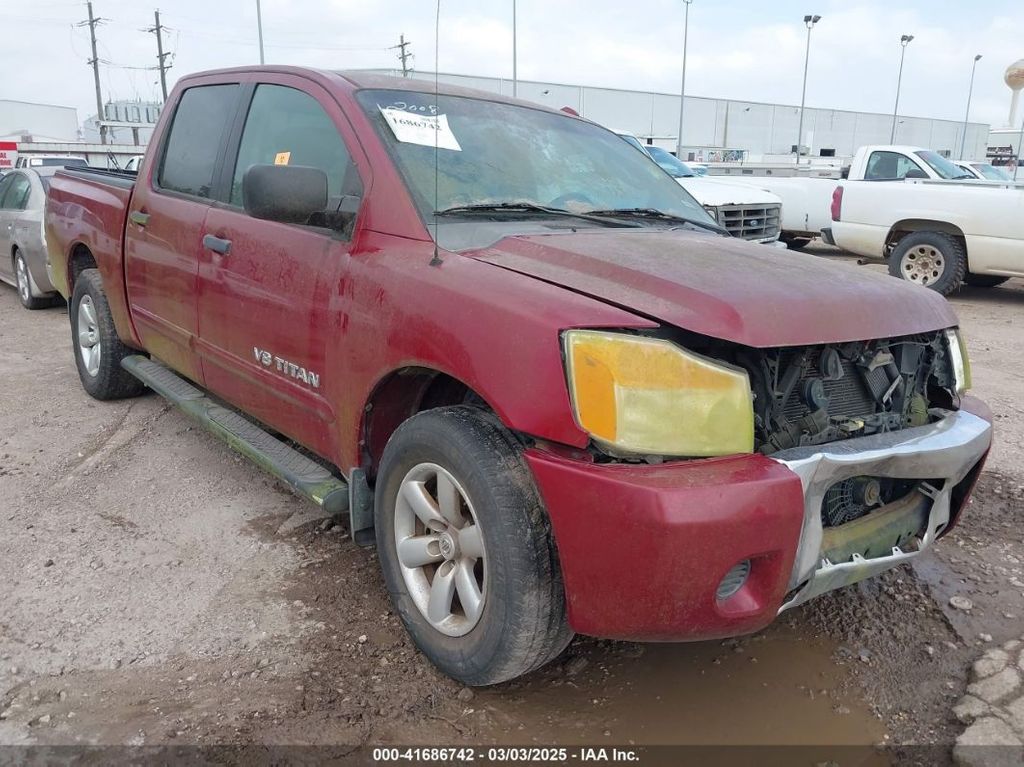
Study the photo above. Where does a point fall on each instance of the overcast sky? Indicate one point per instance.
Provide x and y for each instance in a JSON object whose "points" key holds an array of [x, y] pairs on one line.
{"points": [[743, 49]]}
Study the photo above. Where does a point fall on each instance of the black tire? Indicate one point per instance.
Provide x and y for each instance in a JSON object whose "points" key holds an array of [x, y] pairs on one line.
{"points": [[949, 274], [110, 381], [25, 289], [796, 243], [984, 280], [523, 623]]}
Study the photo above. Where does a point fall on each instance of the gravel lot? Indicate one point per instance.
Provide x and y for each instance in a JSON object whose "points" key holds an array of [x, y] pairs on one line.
{"points": [[158, 589]]}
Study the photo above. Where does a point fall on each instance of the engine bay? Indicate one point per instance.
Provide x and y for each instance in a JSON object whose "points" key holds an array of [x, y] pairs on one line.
{"points": [[812, 395]]}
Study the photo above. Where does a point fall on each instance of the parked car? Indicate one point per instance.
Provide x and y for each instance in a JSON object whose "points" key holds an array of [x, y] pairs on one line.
{"points": [[746, 213], [806, 201], [983, 170], [51, 161], [547, 386], [935, 234], [22, 239]]}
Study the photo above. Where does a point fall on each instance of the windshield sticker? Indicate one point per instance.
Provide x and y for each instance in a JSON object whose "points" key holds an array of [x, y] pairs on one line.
{"points": [[282, 158], [424, 130]]}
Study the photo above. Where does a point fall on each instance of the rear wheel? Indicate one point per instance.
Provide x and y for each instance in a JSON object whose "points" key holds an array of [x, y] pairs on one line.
{"points": [[98, 350], [984, 280], [466, 547], [24, 283], [933, 260], [796, 243]]}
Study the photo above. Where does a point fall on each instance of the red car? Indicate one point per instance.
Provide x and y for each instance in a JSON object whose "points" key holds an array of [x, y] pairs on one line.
{"points": [[528, 365]]}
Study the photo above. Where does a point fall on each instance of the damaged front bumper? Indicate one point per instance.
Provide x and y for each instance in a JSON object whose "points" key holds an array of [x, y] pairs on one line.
{"points": [[645, 549], [942, 455]]}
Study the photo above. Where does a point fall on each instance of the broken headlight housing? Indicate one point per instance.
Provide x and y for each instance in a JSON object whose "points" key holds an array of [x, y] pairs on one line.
{"points": [[958, 360], [648, 396]]}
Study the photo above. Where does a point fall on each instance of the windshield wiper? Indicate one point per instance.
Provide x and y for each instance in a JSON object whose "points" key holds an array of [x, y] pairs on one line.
{"points": [[526, 207], [660, 215]]}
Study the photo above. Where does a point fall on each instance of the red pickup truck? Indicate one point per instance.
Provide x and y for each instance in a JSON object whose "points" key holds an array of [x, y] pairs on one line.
{"points": [[527, 365]]}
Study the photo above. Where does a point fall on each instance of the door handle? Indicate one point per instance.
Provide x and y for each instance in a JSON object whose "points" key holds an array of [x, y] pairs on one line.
{"points": [[139, 218], [216, 244]]}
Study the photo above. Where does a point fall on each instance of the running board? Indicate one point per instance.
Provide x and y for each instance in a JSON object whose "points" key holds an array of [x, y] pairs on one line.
{"points": [[302, 474]]}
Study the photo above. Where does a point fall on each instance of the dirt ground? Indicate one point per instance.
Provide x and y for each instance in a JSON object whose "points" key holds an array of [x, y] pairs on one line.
{"points": [[157, 589]]}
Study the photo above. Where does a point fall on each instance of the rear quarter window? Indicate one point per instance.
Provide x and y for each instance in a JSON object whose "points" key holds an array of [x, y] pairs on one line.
{"points": [[197, 133]]}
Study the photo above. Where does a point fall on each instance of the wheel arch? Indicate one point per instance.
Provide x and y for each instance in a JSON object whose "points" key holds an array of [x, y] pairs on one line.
{"points": [[399, 395], [906, 226], [80, 258]]}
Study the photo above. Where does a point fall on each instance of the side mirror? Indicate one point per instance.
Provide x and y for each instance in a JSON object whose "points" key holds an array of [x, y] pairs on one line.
{"points": [[916, 173], [289, 194]]}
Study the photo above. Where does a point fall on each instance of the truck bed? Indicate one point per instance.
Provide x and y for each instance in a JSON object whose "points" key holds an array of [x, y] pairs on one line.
{"points": [[86, 214]]}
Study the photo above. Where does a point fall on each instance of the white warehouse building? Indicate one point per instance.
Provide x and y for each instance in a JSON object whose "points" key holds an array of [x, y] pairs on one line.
{"points": [[724, 129], [42, 122]]}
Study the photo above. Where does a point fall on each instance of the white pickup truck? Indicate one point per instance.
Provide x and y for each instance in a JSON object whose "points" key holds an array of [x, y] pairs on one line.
{"points": [[933, 233], [806, 200], [746, 212]]}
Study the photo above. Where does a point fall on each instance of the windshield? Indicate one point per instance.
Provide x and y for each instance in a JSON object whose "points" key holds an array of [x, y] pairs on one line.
{"points": [[943, 167], [670, 163], [991, 172], [492, 153]]}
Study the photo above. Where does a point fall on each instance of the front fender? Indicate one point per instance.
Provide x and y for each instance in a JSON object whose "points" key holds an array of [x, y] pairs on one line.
{"points": [[495, 330]]}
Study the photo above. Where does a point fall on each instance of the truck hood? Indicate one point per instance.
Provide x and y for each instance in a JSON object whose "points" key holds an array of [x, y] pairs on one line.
{"points": [[711, 191], [725, 288]]}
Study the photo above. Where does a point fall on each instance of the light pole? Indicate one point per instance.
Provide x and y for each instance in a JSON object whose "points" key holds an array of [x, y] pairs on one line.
{"points": [[1020, 145], [515, 79], [682, 87], [259, 28], [904, 41], [967, 114], [809, 21]]}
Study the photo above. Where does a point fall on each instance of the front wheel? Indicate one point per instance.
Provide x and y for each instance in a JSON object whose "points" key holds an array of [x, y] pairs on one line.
{"points": [[466, 547], [934, 260], [98, 350]]}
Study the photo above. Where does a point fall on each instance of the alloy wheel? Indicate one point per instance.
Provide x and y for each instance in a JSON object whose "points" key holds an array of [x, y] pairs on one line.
{"points": [[440, 549], [89, 346], [21, 275]]}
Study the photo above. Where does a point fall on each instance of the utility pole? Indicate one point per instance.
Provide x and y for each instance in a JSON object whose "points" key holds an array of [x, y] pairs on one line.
{"points": [[92, 22], [160, 55], [403, 54]]}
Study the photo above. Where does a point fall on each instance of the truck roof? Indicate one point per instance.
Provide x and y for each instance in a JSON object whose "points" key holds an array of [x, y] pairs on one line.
{"points": [[357, 79]]}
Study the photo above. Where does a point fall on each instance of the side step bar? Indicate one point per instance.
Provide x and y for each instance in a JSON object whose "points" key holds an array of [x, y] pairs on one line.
{"points": [[302, 474]]}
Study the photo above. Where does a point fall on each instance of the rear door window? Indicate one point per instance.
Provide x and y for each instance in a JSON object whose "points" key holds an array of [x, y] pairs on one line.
{"points": [[286, 126], [194, 143]]}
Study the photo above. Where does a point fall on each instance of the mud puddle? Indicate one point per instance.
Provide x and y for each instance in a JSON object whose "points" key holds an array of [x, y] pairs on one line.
{"points": [[775, 688], [781, 686]]}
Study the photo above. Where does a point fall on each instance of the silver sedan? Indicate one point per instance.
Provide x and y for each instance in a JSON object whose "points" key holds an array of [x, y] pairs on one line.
{"points": [[22, 238]]}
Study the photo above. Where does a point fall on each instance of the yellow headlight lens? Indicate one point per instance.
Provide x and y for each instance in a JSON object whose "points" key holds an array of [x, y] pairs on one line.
{"points": [[649, 396], [958, 357]]}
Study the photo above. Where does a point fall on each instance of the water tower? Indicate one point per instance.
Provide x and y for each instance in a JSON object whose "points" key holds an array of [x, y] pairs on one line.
{"points": [[1014, 77]]}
